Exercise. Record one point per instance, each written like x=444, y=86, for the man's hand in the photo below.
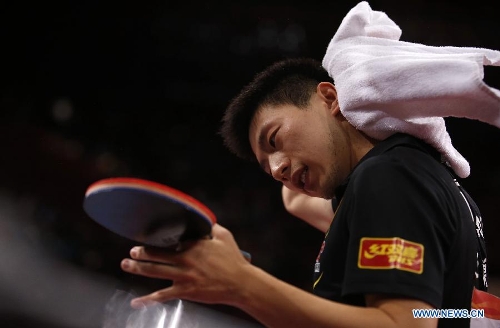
x=215, y=271
x=206, y=270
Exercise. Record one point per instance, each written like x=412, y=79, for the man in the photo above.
x=402, y=237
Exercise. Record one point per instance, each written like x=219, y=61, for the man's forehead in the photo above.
x=264, y=116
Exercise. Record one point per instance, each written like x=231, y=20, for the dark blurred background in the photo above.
x=94, y=89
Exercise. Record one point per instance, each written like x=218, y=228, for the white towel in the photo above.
x=386, y=86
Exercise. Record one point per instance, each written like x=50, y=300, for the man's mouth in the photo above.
x=303, y=177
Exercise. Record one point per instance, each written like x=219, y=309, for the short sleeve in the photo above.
x=399, y=232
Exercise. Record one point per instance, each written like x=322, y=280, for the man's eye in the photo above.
x=272, y=138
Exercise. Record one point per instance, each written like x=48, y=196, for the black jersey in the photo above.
x=401, y=227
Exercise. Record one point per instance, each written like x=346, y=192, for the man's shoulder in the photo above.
x=404, y=156
x=398, y=158
x=402, y=167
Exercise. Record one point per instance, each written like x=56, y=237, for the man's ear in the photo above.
x=328, y=93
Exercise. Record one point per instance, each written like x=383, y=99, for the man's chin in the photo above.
x=326, y=194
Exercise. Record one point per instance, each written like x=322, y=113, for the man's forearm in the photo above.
x=277, y=304
x=214, y=271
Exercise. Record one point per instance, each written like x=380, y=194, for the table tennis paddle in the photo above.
x=147, y=212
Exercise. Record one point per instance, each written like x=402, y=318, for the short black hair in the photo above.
x=290, y=81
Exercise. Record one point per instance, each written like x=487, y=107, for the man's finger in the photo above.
x=151, y=269
x=220, y=232
x=142, y=253
x=159, y=296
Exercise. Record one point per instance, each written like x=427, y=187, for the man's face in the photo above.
x=308, y=150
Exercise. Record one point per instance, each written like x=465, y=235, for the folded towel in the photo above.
x=386, y=86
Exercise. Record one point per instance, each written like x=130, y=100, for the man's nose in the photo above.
x=280, y=167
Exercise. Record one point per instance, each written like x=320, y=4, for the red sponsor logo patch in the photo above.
x=391, y=253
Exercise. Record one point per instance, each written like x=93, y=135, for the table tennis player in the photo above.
x=405, y=234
